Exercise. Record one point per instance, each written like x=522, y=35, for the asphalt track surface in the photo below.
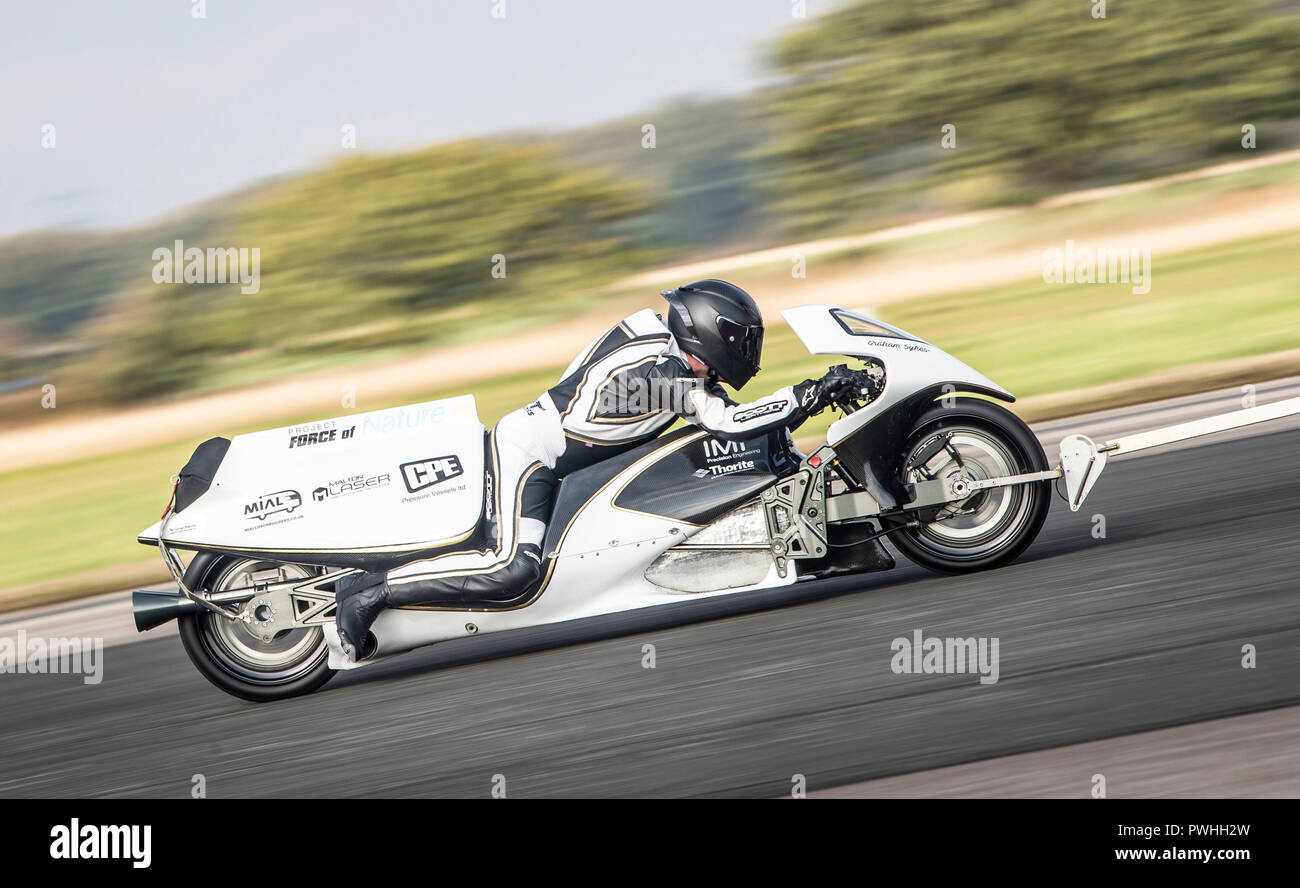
x=1098, y=638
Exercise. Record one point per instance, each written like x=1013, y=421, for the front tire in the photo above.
x=992, y=527
x=228, y=655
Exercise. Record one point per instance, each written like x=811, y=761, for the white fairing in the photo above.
x=911, y=364
x=390, y=480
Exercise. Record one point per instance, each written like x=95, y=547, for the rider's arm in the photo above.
x=710, y=409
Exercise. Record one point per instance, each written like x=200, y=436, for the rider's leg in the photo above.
x=518, y=565
x=516, y=511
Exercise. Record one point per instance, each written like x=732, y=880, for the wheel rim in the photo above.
x=987, y=520
x=285, y=657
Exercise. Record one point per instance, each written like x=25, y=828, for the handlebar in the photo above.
x=862, y=388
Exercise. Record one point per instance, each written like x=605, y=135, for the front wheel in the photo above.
x=236, y=660
x=980, y=440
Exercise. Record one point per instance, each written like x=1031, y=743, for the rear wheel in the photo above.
x=233, y=657
x=978, y=440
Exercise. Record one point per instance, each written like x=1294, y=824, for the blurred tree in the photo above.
x=52, y=280
x=378, y=251
x=1043, y=96
x=702, y=170
x=147, y=347
x=405, y=235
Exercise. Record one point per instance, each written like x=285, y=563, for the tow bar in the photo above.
x=1082, y=459
x=1082, y=462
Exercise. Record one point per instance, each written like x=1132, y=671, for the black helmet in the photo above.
x=720, y=325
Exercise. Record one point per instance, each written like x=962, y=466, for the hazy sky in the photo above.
x=154, y=109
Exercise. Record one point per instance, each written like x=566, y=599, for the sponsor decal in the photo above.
x=404, y=419
x=262, y=525
x=899, y=345
x=441, y=491
x=321, y=433
x=728, y=457
x=716, y=450
x=321, y=425
x=743, y=465
x=760, y=410
x=349, y=485
x=424, y=473
x=272, y=503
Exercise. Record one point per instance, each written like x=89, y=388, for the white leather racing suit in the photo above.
x=625, y=388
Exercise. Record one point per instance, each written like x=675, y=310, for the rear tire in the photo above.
x=992, y=527
x=294, y=663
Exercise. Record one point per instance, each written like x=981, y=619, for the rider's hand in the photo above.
x=815, y=395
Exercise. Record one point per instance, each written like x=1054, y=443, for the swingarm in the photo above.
x=272, y=604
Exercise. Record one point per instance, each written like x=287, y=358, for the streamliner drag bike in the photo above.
x=922, y=453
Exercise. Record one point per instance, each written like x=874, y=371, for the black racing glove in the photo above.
x=815, y=395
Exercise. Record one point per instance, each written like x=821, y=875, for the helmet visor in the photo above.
x=744, y=341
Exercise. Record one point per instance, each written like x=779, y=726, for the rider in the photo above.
x=625, y=388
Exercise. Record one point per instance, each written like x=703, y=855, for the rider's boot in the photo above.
x=354, y=616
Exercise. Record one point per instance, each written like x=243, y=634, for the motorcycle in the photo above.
x=924, y=453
